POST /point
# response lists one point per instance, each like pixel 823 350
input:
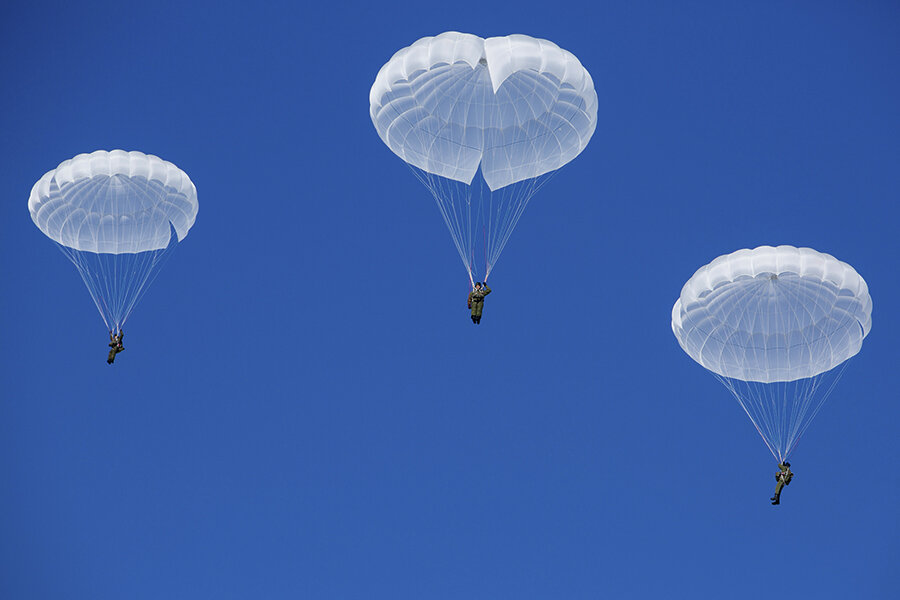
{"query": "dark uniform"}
pixel 476 301
pixel 115 346
pixel 782 477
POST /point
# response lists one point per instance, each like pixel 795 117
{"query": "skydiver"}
pixel 783 477
pixel 115 345
pixel 476 301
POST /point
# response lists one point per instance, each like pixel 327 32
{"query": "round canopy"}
pixel 114 202
pixel 773 314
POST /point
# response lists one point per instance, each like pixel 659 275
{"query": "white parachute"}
pixel 776 326
pixel 115 215
pixel 482 122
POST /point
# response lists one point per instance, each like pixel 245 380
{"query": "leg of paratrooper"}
pixel 776 499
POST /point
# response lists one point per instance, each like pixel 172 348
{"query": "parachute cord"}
pixel 730 384
pixel 116 283
pixel 487 268
pixel 821 402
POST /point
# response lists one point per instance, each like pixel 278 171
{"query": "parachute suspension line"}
pixel 487 265
pixel 117 282
pixel 144 276
pixel 801 427
pixel 731 385
pixel 99 302
pixel 782 411
pixel 441 191
pixel 482 221
pixel 467 208
pixel 510 208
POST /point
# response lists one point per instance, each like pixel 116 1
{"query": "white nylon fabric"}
pixel 773 314
pixel 114 203
pixel 516 106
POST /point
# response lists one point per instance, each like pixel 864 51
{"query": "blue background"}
pixel 305 410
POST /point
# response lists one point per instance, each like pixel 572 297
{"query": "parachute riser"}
pixel 117 282
pixel 464 208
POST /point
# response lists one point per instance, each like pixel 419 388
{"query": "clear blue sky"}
pixel 305 410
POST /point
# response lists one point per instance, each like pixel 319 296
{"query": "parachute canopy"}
pixel 516 108
pixel 771 323
pixel 114 215
pixel 114 202
pixel 773 314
